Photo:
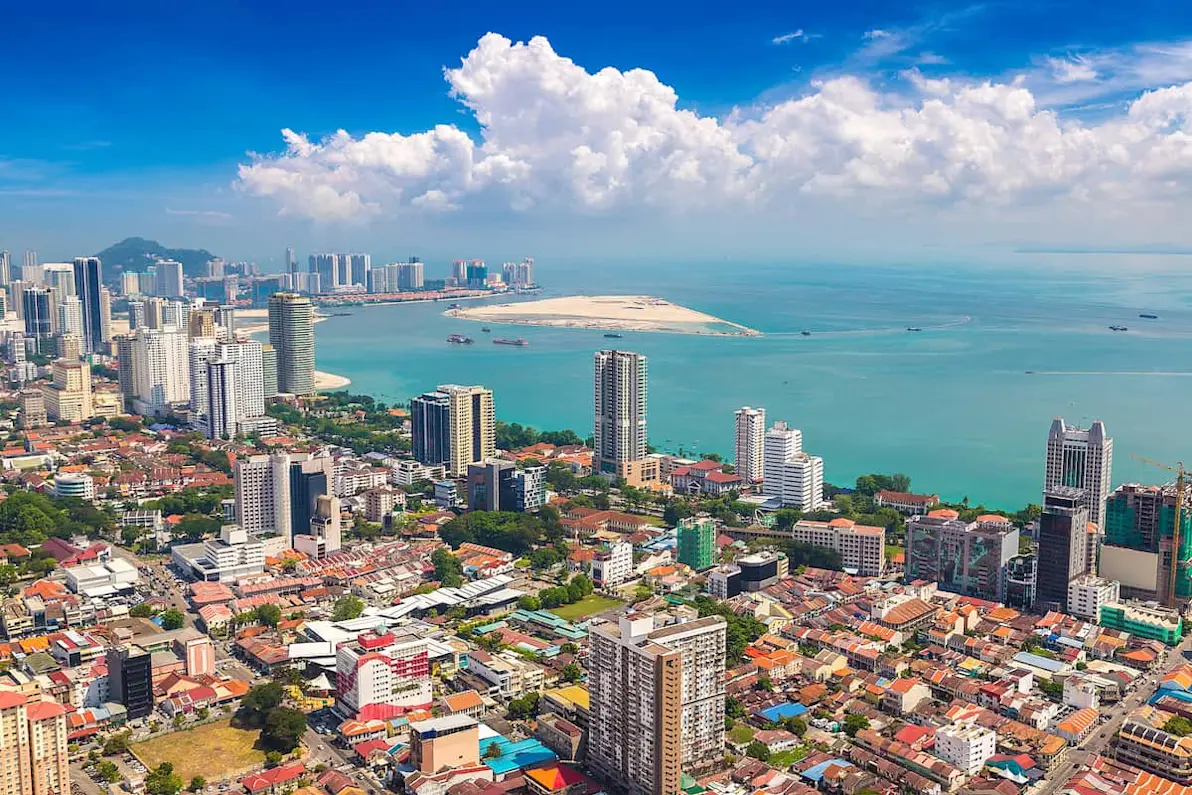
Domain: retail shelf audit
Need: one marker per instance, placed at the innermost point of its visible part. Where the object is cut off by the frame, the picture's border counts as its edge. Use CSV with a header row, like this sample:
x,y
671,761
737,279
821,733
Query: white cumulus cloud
x,y
558,137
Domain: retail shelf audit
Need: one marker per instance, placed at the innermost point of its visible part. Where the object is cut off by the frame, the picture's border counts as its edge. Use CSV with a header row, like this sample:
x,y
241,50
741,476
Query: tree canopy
x,y
513,532
347,607
448,570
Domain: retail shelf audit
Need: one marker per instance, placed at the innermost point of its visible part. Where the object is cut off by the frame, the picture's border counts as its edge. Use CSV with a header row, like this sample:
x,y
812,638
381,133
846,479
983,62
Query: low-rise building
x,y
965,746
1143,742
862,548
1077,726
1144,621
1088,593
613,565
444,743
509,674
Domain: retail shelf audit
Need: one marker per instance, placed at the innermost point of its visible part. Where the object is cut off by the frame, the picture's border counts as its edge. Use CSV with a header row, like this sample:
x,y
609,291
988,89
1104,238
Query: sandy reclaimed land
x,y
326,382
608,312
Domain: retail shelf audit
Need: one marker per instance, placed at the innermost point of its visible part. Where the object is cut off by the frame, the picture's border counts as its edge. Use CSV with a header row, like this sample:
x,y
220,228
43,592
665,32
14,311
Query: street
x,y
1106,731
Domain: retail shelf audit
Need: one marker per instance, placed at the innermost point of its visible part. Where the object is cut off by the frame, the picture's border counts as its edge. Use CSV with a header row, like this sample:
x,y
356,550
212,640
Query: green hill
x,y
137,253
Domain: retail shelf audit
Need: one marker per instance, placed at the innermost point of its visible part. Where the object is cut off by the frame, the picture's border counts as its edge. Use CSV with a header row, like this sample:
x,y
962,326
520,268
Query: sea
x,y
962,405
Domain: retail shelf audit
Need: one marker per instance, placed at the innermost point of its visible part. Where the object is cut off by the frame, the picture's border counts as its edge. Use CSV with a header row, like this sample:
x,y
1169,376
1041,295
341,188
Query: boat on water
x,y
520,342
805,333
486,329
1149,317
613,336
459,339
453,306
1119,328
913,328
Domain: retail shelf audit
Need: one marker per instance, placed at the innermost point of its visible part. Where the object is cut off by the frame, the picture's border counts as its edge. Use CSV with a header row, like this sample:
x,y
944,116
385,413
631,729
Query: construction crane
x,y
1176,563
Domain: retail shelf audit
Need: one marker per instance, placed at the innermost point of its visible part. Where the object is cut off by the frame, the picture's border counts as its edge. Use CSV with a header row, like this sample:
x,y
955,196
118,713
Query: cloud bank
x,y
554,136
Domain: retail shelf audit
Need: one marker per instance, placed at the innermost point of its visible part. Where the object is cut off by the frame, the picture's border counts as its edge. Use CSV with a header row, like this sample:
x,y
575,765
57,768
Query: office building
x,y
233,555
1021,580
262,485
1088,593
1081,458
324,534
34,747
697,542
311,477
88,279
168,279
68,397
762,569
291,333
1139,526
491,486
529,487
1063,544
862,548
74,484
33,409
449,742
613,565
620,391
389,669
161,371
966,746
38,313
130,679
962,557
657,701
749,443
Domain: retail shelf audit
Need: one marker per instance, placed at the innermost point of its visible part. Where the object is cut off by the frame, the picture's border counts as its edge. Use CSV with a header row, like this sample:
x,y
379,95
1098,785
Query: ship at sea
x,y
1149,316
506,341
486,329
913,328
613,336
459,339
1118,328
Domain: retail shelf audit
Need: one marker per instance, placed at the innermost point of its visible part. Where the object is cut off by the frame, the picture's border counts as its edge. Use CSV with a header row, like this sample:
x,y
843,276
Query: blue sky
x,y
137,118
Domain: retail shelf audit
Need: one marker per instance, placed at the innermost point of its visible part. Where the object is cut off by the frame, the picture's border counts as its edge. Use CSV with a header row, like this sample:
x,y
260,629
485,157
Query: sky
x,y
860,129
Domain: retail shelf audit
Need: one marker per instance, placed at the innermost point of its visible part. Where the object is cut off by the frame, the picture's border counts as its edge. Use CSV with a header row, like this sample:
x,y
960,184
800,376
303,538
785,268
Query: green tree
x,y
173,619
523,708
448,570
529,602
284,727
347,607
796,726
571,673
8,574
1178,726
197,783
733,708
854,723
259,702
513,532
758,750
108,771
269,615
492,751
194,527
162,780
763,683
116,744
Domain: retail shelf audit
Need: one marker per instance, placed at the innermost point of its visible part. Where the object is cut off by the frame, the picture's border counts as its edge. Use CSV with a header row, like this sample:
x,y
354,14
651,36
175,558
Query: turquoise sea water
x,y
951,405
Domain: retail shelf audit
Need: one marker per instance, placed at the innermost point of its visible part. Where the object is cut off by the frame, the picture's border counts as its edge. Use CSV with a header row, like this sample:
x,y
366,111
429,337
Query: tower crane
x,y
1176,563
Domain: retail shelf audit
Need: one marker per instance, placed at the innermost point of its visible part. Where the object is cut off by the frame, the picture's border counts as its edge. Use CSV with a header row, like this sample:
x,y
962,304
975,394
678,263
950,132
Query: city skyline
x,y
447,158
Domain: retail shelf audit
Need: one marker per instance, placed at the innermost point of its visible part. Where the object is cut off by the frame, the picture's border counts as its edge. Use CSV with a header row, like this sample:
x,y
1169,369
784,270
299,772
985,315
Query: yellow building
x,y
69,396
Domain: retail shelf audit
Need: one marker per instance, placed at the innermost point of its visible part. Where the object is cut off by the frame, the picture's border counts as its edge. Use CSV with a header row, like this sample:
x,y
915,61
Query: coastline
x,y
329,382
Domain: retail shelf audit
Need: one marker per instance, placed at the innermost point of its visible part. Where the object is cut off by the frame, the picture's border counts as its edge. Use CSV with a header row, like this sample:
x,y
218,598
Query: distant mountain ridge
x,y
137,254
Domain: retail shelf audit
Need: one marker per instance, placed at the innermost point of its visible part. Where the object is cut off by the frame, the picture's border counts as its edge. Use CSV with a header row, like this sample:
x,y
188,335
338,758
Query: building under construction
x,y
1137,548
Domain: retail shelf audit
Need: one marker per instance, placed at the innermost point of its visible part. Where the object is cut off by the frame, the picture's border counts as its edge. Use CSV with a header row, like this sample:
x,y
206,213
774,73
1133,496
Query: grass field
x,y
785,759
741,734
213,751
590,605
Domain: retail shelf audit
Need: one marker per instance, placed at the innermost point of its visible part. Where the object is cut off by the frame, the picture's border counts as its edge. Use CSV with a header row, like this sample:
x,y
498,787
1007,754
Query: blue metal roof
x,y
780,711
816,773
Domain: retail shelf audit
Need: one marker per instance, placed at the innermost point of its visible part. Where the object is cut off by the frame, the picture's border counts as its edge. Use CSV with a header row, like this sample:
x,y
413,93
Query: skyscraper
x,y
781,444
29,261
619,425
327,266
963,557
5,268
291,261
358,266
1081,458
1063,544
470,427
130,679
268,371
105,318
1139,527
169,279
33,754
410,275
160,366
492,486
657,701
70,316
430,428
311,477
88,279
749,443
291,333
37,303
222,411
